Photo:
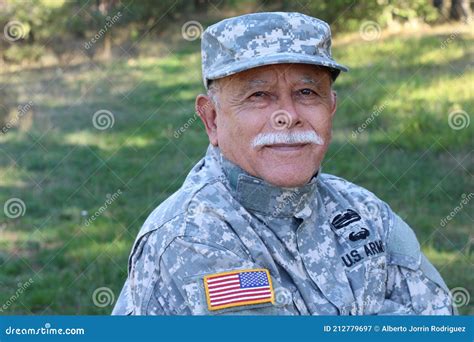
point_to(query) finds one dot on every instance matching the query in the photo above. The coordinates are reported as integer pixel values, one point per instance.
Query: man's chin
(287, 170)
(288, 178)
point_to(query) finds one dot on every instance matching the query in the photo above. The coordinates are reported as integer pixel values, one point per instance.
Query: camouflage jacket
(330, 248)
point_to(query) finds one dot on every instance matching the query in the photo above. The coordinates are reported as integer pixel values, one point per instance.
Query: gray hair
(213, 89)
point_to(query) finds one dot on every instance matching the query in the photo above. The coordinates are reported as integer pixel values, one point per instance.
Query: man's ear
(333, 102)
(207, 112)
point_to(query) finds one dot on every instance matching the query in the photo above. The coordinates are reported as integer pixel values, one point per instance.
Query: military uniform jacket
(330, 248)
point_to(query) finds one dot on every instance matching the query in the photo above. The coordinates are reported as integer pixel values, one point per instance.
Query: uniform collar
(255, 194)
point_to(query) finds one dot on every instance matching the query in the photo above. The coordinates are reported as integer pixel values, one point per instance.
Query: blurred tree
(460, 10)
(106, 8)
(62, 26)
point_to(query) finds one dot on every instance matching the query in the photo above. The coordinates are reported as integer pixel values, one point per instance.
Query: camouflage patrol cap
(248, 41)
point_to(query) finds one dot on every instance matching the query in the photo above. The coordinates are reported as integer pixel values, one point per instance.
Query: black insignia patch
(344, 219)
(361, 234)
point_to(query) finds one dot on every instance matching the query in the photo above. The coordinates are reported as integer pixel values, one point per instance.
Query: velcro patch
(238, 288)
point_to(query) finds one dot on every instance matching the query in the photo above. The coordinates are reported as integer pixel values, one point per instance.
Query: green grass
(60, 165)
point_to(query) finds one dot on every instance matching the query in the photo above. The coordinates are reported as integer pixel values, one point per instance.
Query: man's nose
(286, 116)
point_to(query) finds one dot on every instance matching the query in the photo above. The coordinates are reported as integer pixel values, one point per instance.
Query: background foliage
(407, 77)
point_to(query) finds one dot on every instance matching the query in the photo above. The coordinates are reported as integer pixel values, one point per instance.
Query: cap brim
(281, 58)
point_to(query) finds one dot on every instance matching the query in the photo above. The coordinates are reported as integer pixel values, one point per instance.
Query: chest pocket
(363, 254)
(368, 281)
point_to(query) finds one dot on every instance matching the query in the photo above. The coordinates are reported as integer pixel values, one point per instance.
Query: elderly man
(256, 227)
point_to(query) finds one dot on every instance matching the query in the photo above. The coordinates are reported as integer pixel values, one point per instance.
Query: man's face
(257, 111)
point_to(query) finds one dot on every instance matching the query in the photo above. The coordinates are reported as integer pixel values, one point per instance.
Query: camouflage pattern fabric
(331, 247)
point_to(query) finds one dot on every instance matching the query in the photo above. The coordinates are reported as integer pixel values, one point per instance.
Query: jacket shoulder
(347, 188)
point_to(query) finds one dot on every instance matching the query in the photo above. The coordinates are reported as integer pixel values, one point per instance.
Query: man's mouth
(286, 147)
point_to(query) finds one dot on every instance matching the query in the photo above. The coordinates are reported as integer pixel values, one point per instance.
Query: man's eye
(306, 92)
(258, 94)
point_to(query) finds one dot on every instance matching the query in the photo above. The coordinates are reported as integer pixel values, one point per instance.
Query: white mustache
(290, 138)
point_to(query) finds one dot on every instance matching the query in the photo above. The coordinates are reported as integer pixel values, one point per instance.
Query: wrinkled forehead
(275, 74)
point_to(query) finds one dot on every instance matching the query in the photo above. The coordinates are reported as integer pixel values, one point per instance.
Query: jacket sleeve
(414, 286)
(166, 277)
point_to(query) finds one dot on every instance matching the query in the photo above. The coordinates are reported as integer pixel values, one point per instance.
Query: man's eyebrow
(318, 83)
(255, 83)
(310, 80)
(250, 84)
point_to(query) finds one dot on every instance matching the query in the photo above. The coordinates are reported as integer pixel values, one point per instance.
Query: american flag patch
(236, 288)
